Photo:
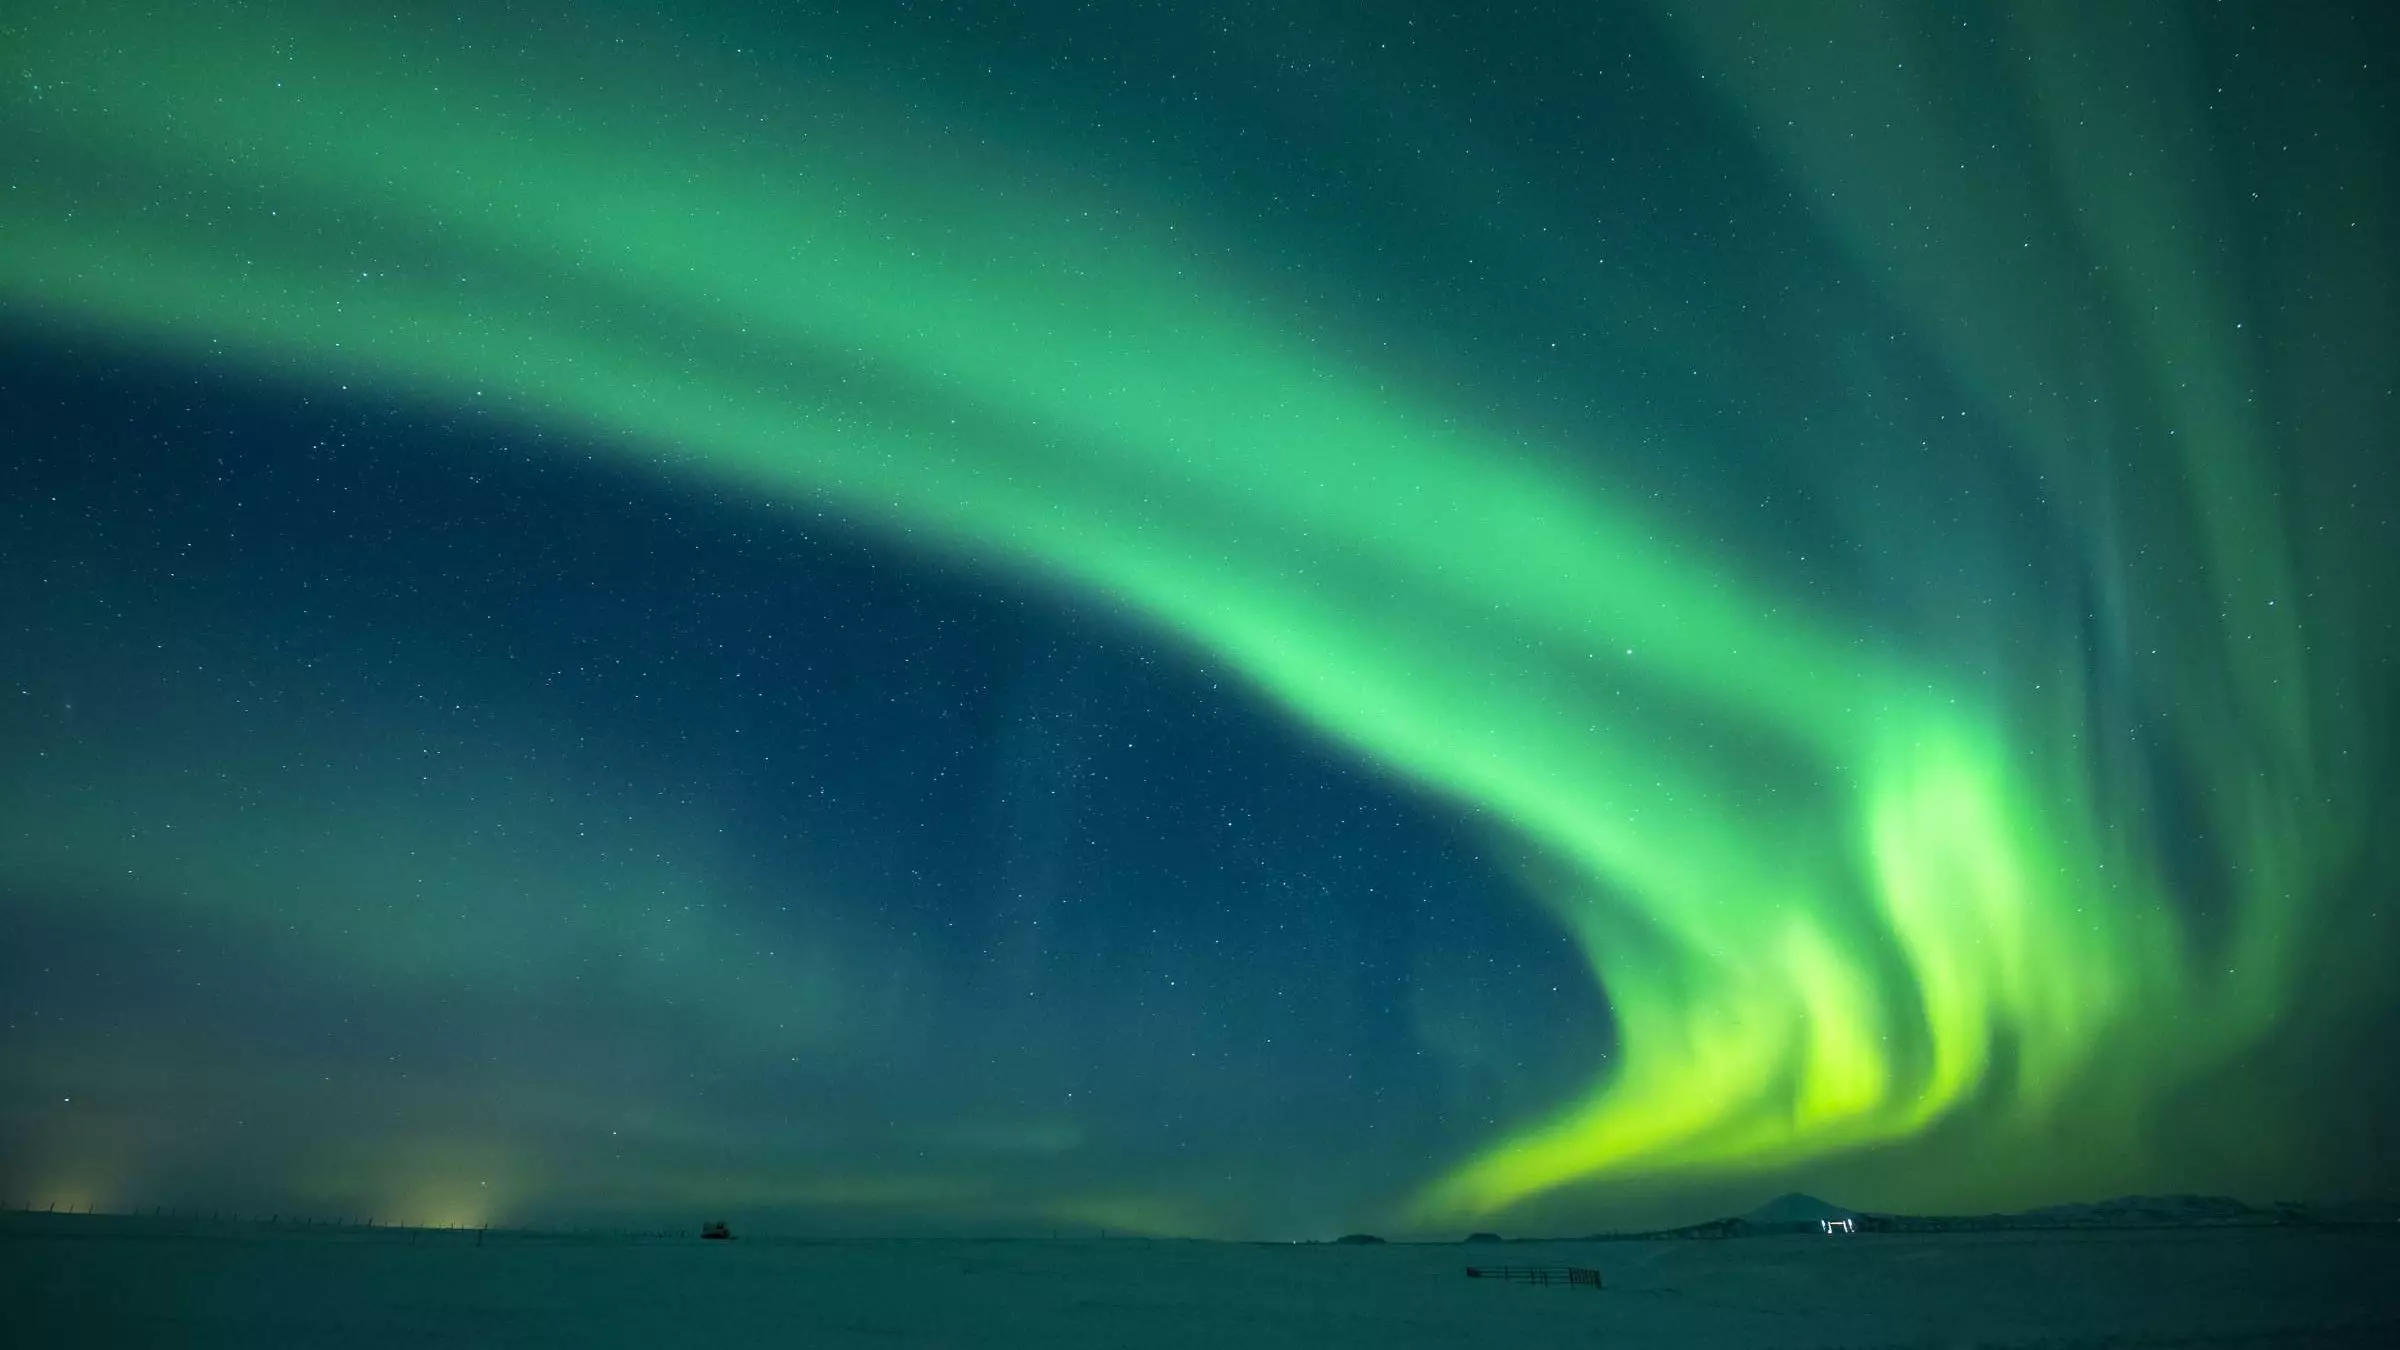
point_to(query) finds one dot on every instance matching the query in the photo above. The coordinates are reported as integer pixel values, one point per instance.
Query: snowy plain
(105, 1281)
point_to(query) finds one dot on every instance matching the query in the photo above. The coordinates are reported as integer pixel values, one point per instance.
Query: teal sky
(1241, 620)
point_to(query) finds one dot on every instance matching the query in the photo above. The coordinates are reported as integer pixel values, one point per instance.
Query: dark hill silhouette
(1794, 1208)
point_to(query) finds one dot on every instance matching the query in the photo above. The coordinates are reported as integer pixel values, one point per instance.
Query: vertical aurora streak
(1842, 881)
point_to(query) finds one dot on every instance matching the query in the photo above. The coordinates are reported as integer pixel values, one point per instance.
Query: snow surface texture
(103, 1281)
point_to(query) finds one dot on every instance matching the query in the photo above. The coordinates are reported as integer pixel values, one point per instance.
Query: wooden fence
(1569, 1275)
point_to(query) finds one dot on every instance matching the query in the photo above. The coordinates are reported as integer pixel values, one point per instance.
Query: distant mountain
(2343, 1211)
(1789, 1213)
(2125, 1211)
(2144, 1209)
(1795, 1208)
(1797, 1213)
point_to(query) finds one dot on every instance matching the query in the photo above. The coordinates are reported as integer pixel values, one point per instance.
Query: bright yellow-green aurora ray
(1837, 889)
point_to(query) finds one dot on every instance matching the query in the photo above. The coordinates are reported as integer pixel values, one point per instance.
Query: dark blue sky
(1131, 919)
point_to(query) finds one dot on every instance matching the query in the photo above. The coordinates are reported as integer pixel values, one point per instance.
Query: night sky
(1228, 620)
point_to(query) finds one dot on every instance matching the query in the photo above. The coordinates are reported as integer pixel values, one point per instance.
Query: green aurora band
(1839, 889)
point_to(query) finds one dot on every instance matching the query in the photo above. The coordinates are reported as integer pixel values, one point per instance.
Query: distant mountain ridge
(2156, 1208)
(1795, 1208)
(1795, 1212)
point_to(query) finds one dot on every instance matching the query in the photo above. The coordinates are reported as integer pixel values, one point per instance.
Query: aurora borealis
(1238, 620)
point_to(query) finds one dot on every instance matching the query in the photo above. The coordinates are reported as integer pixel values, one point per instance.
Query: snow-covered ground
(118, 1282)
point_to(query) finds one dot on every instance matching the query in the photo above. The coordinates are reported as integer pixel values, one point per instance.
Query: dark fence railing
(1569, 1275)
